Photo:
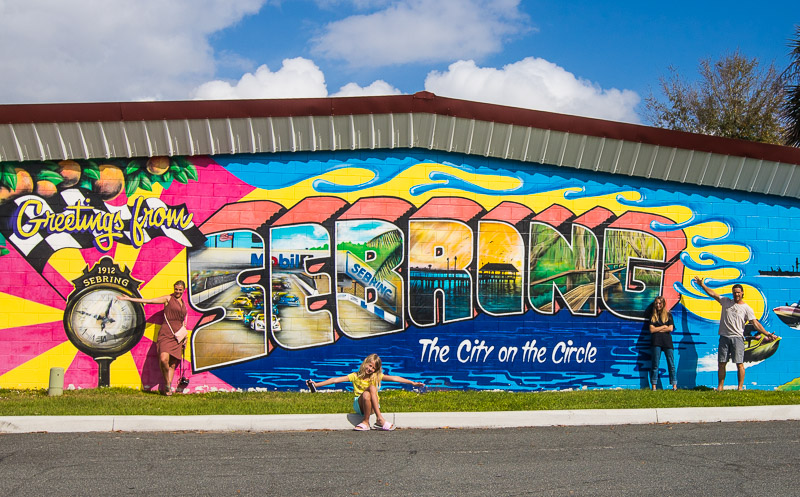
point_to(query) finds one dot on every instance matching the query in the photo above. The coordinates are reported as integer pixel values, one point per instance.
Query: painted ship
(794, 271)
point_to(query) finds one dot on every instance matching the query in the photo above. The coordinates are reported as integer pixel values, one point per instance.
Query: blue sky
(599, 59)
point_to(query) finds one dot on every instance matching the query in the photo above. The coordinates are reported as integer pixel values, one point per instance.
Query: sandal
(361, 427)
(386, 426)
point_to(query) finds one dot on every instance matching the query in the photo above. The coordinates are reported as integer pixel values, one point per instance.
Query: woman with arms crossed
(661, 328)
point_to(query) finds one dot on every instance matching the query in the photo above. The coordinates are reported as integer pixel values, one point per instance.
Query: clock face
(98, 323)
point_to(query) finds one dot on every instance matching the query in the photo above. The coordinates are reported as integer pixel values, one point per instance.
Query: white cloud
(105, 50)
(422, 31)
(533, 83)
(358, 4)
(379, 87)
(95, 50)
(297, 78)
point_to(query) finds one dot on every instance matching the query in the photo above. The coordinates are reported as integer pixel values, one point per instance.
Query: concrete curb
(419, 420)
(728, 414)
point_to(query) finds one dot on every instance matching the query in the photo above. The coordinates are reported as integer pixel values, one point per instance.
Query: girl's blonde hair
(663, 314)
(375, 376)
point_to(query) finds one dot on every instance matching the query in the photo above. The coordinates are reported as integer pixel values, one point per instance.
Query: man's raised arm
(711, 293)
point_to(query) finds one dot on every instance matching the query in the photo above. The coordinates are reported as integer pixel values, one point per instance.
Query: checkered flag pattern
(40, 246)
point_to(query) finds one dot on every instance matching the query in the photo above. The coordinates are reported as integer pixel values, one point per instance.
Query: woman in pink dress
(170, 348)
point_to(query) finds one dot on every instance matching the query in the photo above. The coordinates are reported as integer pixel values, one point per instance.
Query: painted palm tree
(791, 103)
(391, 244)
(543, 239)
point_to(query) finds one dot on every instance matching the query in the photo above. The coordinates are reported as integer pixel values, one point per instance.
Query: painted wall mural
(460, 271)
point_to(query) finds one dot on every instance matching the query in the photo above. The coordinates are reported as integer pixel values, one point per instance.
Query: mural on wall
(460, 271)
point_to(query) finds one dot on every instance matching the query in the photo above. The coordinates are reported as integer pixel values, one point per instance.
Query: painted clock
(98, 323)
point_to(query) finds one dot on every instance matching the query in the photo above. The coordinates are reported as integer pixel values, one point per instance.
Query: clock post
(103, 371)
(97, 322)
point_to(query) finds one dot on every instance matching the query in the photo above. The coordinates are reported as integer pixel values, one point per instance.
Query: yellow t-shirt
(361, 384)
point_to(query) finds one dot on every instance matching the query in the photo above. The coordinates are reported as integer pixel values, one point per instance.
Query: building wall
(459, 271)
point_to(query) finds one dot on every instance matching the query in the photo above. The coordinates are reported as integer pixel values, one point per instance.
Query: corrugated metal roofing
(144, 129)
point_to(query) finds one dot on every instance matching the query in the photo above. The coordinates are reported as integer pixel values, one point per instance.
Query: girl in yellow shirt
(366, 383)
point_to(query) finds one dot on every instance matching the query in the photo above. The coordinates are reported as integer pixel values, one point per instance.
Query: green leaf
(131, 185)
(8, 168)
(191, 171)
(144, 182)
(85, 184)
(165, 180)
(133, 166)
(91, 173)
(51, 176)
(174, 168)
(90, 164)
(180, 176)
(10, 179)
(183, 163)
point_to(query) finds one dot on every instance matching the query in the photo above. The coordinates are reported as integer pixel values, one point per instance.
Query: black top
(661, 339)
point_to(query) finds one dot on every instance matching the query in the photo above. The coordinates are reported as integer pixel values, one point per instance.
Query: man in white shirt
(735, 314)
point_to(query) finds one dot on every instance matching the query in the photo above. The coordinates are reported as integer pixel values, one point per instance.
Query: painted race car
(279, 284)
(258, 323)
(249, 317)
(257, 300)
(234, 314)
(287, 299)
(242, 302)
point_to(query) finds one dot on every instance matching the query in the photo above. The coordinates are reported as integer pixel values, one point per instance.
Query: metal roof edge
(421, 102)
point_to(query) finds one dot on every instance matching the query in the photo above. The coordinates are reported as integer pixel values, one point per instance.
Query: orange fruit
(5, 194)
(45, 188)
(158, 165)
(24, 185)
(111, 182)
(24, 182)
(70, 171)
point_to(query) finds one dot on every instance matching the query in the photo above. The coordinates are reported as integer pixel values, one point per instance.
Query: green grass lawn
(120, 401)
